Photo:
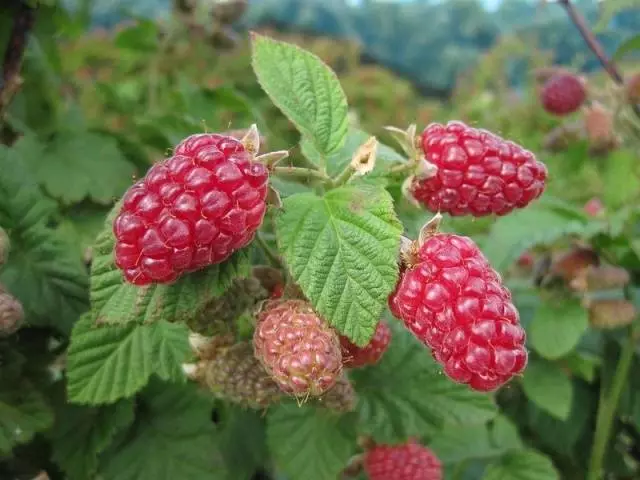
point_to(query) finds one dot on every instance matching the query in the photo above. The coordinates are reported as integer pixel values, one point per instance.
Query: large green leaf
(44, 272)
(23, 413)
(342, 250)
(172, 438)
(113, 301)
(631, 45)
(78, 165)
(522, 465)
(309, 443)
(305, 89)
(407, 394)
(80, 434)
(110, 362)
(546, 385)
(458, 443)
(557, 327)
(242, 442)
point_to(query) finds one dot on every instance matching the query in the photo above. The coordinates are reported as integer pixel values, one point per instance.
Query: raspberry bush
(231, 278)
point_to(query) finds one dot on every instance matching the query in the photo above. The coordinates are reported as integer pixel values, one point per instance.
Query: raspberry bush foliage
(232, 278)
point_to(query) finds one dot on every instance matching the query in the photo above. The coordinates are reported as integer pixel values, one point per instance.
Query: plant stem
(269, 253)
(607, 409)
(298, 173)
(23, 20)
(591, 40)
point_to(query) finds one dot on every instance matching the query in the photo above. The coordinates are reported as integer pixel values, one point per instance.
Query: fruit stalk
(607, 409)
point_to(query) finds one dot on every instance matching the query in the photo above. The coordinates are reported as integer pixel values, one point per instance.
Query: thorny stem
(23, 20)
(595, 46)
(607, 409)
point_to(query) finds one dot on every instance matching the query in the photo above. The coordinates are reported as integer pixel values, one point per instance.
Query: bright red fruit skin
(454, 302)
(409, 461)
(478, 172)
(563, 94)
(354, 356)
(190, 211)
(297, 347)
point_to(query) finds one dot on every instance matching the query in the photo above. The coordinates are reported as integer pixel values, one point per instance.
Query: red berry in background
(563, 94)
(594, 207)
(526, 260)
(409, 461)
(278, 291)
(478, 173)
(190, 211)
(454, 302)
(354, 356)
(298, 349)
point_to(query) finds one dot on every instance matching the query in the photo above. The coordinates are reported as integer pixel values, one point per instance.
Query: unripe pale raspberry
(454, 302)
(408, 461)
(219, 315)
(233, 373)
(297, 347)
(341, 398)
(478, 173)
(594, 207)
(11, 314)
(354, 356)
(563, 94)
(191, 210)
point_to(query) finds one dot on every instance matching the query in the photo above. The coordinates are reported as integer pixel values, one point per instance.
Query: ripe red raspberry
(298, 349)
(191, 210)
(454, 302)
(409, 461)
(478, 173)
(354, 356)
(563, 94)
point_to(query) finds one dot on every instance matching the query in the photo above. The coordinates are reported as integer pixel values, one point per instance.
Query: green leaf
(111, 362)
(309, 443)
(69, 167)
(459, 443)
(524, 465)
(342, 250)
(546, 385)
(304, 89)
(340, 159)
(172, 438)
(242, 442)
(43, 272)
(114, 301)
(80, 434)
(621, 179)
(557, 327)
(631, 45)
(407, 394)
(23, 413)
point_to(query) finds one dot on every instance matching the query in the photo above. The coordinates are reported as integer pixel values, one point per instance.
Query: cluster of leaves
(124, 409)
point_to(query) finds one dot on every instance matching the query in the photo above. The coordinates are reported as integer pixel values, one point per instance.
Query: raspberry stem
(269, 253)
(608, 406)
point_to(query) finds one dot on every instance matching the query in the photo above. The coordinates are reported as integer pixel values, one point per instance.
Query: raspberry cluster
(408, 461)
(354, 356)
(478, 173)
(297, 347)
(191, 210)
(454, 302)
